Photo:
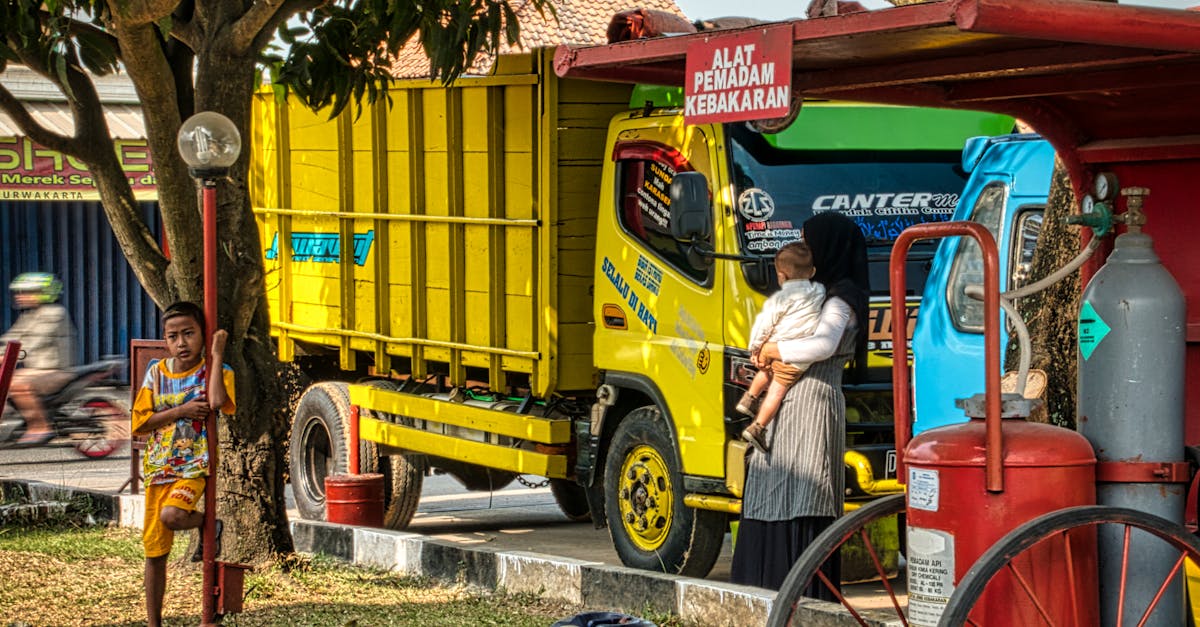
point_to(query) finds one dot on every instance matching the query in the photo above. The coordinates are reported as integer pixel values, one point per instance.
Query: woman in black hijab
(794, 491)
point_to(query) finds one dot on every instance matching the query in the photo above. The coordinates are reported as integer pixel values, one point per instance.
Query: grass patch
(93, 576)
(72, 544)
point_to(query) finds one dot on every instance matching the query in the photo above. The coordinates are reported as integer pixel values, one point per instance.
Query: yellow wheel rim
(645, 499)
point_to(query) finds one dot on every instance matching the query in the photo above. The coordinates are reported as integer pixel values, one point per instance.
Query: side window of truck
(967, 269)
(644, 211)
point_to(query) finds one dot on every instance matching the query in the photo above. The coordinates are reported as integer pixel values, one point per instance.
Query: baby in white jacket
(789, 314)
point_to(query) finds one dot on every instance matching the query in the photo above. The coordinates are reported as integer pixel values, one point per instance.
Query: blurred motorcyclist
(47, 339)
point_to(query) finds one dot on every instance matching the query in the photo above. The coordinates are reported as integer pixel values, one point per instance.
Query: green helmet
(47, 286)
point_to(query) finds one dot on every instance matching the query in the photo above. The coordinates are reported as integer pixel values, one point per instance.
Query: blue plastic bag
(603, 619)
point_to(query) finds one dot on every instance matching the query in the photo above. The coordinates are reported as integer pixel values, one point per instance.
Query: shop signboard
(30, 172)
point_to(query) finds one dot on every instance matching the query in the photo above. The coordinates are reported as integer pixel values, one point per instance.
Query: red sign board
(743, 75)
(30, 172)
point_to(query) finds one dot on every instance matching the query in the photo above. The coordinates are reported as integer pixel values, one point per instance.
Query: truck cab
(673, 317)
(1006, 192)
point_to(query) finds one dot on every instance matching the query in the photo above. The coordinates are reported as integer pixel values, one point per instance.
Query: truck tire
(403, 474)
(643, 502)
(571, 499)
(404, 478)
(318, 446)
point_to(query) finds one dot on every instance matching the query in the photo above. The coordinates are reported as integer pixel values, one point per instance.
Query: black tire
(825, 547)
(369, 459)
(1004, 553)
(651, 528)
(318, 446)
(405, 476)
(571, 499)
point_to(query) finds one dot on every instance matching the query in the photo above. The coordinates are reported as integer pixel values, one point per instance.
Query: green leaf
(165, 25)
(96, 53)
(512, 28)
(59, 63)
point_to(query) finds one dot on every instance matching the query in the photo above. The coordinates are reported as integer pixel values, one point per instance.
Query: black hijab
(839, 253)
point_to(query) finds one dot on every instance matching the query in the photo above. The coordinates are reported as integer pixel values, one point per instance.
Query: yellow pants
(157, 538)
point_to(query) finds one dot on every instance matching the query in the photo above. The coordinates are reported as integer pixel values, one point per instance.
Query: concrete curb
(590, 584)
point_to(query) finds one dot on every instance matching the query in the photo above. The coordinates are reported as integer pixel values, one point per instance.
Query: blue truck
(1006, 192)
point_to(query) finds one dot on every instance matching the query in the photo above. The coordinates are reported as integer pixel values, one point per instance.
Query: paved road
(514, 518)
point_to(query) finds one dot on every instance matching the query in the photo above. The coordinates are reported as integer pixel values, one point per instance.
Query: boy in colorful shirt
(171, 407)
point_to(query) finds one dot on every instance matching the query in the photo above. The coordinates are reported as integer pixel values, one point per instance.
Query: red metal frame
(1117, 91)
(140, 354)
(901, 394)
(1083, 88)
(211, 588)
(353, 452)
(12, 352)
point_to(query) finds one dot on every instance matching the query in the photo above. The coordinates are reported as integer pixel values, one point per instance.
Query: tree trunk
(250, 479)
(1051, 313)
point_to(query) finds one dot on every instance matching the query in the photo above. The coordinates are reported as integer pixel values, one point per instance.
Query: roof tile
(581, 22)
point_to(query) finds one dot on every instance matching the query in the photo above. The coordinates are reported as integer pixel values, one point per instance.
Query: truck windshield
(883, 191)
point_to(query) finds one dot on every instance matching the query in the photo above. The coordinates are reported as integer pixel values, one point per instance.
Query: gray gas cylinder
(1131, 408)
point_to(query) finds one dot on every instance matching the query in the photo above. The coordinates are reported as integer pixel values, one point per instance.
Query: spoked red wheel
(112, 428)
(809, 572)
(1014, 583)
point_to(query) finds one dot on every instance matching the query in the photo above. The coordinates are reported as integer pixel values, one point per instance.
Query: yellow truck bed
(467, 215)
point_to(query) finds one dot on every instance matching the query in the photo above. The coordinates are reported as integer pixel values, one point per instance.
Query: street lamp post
(210, 143)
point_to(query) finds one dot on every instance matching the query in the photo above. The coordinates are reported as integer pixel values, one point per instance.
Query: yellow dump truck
(487, 274)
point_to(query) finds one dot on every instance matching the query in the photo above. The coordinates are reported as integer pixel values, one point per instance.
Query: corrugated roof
(582, 22)
(124, 121)
(47, 104)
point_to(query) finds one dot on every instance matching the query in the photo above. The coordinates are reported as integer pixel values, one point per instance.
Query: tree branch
(262, 19)
(140, 12)
(151, 73)
(92, 144)
(86, 113)
(32, 129)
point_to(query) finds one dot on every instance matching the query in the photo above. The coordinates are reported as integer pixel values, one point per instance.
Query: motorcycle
(91, 410)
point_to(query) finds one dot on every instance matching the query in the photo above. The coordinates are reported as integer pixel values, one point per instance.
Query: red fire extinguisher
(953, 519)
(970, 484)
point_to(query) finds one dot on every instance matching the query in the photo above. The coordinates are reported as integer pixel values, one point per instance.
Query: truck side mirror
(760, 274)
(691, 212)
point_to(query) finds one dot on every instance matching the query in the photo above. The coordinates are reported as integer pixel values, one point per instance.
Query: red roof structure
(579, 22)
(1115, 88)
(1044, 61)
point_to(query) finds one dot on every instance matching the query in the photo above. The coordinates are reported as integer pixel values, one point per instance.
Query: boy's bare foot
(756, 435)
(198, 555)
(748, 405)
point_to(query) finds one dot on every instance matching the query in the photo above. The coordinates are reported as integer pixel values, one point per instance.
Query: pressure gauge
(1105, 186)
(1087, 205)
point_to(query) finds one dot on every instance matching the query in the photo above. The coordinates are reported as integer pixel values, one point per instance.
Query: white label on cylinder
(930, 575)
(923, 489)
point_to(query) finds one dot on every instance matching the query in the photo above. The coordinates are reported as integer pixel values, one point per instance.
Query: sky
(783, 9)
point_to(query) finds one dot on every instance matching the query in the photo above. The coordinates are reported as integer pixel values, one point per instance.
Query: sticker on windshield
(755, 205)
(768, 237)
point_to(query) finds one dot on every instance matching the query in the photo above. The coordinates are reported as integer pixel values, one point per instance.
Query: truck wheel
(651, 527)
(405, 475)
(571, 499)
(318, 447)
